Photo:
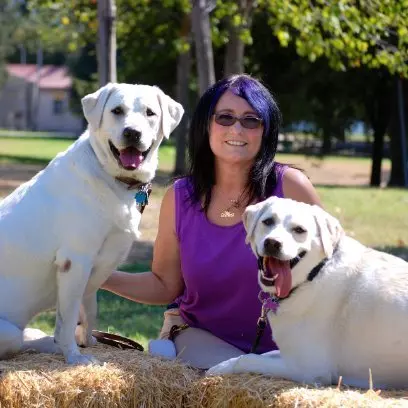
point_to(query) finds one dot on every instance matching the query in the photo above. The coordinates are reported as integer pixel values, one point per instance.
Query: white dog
(64, 231)
(343, 308)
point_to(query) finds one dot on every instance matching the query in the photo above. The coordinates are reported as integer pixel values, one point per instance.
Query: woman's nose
(237, 126)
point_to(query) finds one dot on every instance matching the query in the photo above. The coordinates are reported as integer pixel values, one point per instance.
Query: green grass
(34, 150)
(374, 216)
(31, 150)
(33, 134)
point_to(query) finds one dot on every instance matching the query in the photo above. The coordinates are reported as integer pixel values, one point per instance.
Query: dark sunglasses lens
(250, 122)
(224, 119)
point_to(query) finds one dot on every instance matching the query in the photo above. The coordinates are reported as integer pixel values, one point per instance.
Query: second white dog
(63, 232)
(343, 307)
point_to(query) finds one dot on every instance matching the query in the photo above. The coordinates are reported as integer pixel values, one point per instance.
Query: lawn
(35, 150)
(376, 217)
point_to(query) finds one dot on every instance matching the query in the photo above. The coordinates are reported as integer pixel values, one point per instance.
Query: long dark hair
(262, 176)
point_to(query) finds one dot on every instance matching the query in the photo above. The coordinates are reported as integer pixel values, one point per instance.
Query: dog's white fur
(350, 319)
(64, 231)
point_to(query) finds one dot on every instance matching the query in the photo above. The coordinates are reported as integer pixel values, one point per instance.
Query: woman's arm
(164, 283)
(298, 187)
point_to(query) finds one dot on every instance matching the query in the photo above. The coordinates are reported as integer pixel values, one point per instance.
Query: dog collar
(143, 191)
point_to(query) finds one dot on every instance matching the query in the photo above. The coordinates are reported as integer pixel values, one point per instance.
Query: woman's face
(235, 143)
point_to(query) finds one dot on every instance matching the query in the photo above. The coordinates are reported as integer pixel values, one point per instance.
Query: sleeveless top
(220, 273)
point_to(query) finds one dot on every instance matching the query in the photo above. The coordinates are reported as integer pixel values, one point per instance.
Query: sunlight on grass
(41, 151)
(27, 150)
(374, 216)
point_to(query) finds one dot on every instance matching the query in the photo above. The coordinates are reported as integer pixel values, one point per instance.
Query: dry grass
(133, 379)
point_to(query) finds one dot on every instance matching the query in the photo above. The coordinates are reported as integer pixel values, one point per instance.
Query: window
(58, 107)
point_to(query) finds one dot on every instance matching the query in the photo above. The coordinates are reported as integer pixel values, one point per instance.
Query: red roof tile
(51, 76)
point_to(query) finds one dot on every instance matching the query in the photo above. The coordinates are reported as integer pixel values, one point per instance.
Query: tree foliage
(349, 33)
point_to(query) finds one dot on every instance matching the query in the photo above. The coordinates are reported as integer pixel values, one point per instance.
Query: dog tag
(141, 197)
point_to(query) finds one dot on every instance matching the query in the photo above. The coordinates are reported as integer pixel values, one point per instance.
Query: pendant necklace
(235, 203)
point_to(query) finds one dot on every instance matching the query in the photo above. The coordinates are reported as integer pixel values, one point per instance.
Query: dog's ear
(94, 104)
(250, 218)
(172, 112)
(329, 229)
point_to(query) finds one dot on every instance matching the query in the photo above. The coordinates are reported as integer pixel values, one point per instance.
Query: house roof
(51, 76)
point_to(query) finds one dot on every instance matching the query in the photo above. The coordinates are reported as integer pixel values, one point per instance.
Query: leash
(115, 340)
(269, 303)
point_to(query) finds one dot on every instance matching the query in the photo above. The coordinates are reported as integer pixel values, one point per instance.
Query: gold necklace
(235, 203)
(227, 213)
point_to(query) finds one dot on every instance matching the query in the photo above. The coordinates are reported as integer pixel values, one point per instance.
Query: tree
(183, 91)
(106, 46)
(10, 18)
(238, 20)
(203, 43)
(349, 33)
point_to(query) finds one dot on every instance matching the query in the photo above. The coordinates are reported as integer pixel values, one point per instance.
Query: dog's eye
(149, 112)
(299, 230)
(268, 222)
(117, 111)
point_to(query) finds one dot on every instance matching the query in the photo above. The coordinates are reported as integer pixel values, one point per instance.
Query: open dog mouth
(129, 158)
(275, 272)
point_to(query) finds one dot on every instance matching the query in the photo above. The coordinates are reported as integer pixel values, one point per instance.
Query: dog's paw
(82, 359)
(226, 367)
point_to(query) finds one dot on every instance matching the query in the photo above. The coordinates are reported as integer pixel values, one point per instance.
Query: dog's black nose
(132, 135)
(272, 245)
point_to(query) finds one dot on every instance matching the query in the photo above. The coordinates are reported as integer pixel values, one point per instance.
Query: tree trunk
(106, 46)
(379, 112)
(377, 156)
(327, 141)
(183, 75)
(235, 50)
(203, 44)
(399, 176)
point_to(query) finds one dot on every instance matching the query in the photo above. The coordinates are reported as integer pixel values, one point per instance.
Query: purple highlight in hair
(249, 89)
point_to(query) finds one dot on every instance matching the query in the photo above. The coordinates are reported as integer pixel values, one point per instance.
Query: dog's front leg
(253, 363)
(87, 321)
(72, 277)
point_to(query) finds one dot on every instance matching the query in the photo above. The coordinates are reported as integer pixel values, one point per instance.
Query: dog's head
(287, 235)
(126, 126)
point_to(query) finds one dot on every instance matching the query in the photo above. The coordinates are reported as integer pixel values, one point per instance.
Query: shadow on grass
(401, 252)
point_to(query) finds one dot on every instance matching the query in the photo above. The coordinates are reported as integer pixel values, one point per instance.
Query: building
(38, 99)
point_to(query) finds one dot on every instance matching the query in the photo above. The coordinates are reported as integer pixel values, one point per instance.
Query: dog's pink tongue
(130, 158)
(283, 281)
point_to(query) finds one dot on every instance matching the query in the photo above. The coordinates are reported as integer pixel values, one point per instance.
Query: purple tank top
(220, 273)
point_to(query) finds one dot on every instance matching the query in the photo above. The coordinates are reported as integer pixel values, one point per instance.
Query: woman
(200, 257)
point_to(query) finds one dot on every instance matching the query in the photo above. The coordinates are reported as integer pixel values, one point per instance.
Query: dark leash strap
(269, 303)
(117, 341)
(176, 329)
(260, 328)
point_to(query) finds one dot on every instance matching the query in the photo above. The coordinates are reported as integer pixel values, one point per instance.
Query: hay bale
(127, 379)
(250, 390)
(133, 379)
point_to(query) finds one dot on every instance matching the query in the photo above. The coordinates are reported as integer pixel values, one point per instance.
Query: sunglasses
(247, 122)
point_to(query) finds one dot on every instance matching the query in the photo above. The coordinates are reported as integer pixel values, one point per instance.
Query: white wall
(48, 120)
